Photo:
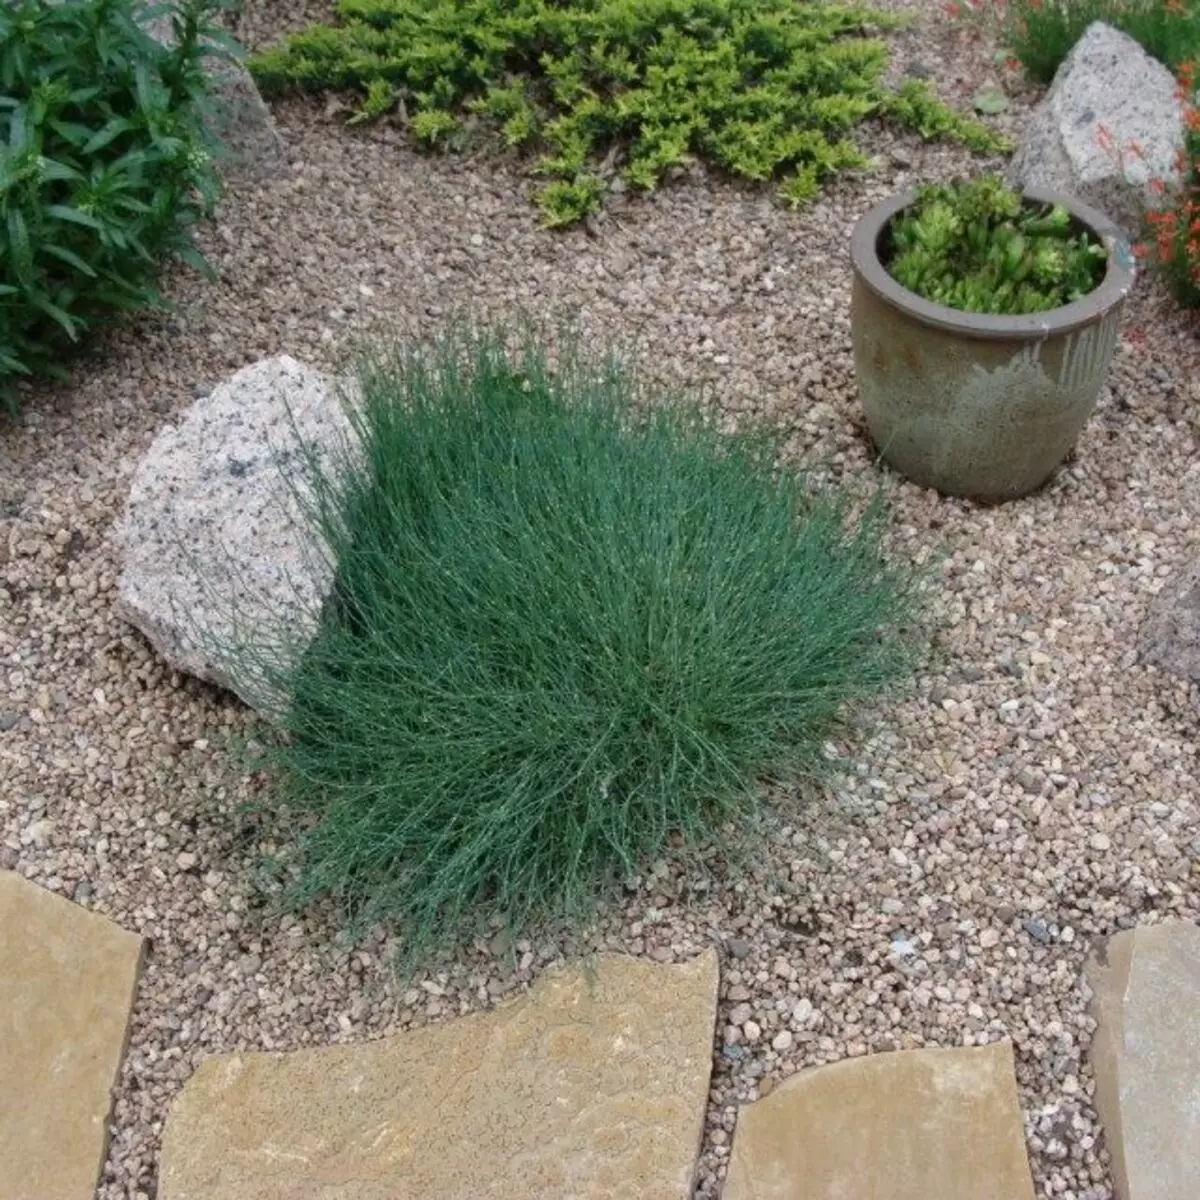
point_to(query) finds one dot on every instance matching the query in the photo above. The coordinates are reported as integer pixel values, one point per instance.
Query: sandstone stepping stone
(67, 983)
(1146, 1056)
(215, 544)
(591, 1086)
(912, 1125)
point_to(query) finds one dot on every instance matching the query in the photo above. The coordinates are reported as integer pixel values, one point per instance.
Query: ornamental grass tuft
(573, 627)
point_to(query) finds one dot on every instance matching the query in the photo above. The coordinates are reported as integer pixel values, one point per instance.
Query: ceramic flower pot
(969, 403)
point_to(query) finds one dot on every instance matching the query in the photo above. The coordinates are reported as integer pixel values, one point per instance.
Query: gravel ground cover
(1034, 792)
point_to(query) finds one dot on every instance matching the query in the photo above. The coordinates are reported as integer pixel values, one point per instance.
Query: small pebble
(738, 947)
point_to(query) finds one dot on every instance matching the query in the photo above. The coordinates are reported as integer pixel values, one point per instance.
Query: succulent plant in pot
(984, 321)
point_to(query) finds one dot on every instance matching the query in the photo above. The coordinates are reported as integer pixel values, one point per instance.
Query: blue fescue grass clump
(572, 627)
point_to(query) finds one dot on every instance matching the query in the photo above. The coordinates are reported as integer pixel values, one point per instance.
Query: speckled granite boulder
(1108, 95)
(218, 556)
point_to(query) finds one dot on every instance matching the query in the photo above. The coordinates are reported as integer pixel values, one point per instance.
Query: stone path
(591, 1087)
(67, 984)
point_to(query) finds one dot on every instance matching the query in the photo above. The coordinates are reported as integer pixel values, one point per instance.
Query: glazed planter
(973, 404)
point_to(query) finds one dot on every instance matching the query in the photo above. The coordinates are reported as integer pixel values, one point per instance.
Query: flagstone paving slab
(912, 1125)
(67, 984)
(590, 1087)
(1146, 1057)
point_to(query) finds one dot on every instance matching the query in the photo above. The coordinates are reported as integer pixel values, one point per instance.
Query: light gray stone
(1146, 1058)
(1170, 635)
(219, 554)
(241, 118)
(1107, 96)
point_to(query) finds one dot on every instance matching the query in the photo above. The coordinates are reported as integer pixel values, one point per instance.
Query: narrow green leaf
(65, 212)
(12, 365)
(71, 258)
(18, 242)
(111, 131)
(71, 132)
(68, 323)
(52, 169)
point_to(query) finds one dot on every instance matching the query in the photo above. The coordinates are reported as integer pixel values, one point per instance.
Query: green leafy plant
(572, 626)
(1041, 33)
(980, 246)
(104, 164)
(763, 89)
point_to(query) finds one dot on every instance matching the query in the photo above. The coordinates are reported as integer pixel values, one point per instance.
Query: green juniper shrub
(763, 89)
(105, 162)
(571, 627)
(980, 246)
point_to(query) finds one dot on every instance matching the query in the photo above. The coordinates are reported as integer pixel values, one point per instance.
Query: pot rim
(1113, 288)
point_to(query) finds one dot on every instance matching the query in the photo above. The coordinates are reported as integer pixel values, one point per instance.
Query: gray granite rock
(1146, 1058)
(1170, 635)
(241, 117)
(218, 554)
(1108, 94)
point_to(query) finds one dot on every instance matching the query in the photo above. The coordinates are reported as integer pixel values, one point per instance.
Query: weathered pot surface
(974, 404)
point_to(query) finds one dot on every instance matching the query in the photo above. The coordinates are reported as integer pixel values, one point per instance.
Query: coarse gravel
(1035, 791)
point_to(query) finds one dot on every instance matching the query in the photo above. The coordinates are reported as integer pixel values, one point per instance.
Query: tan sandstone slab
(913, 1125)
(1146, 1056)
(591, 1087)
(67, 983)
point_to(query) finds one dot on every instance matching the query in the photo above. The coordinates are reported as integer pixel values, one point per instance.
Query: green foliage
(763, 89)
(1041, 33)
(916, 106)
(978, 246)
(1173, 224)
(104, 163)
(571, 627)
